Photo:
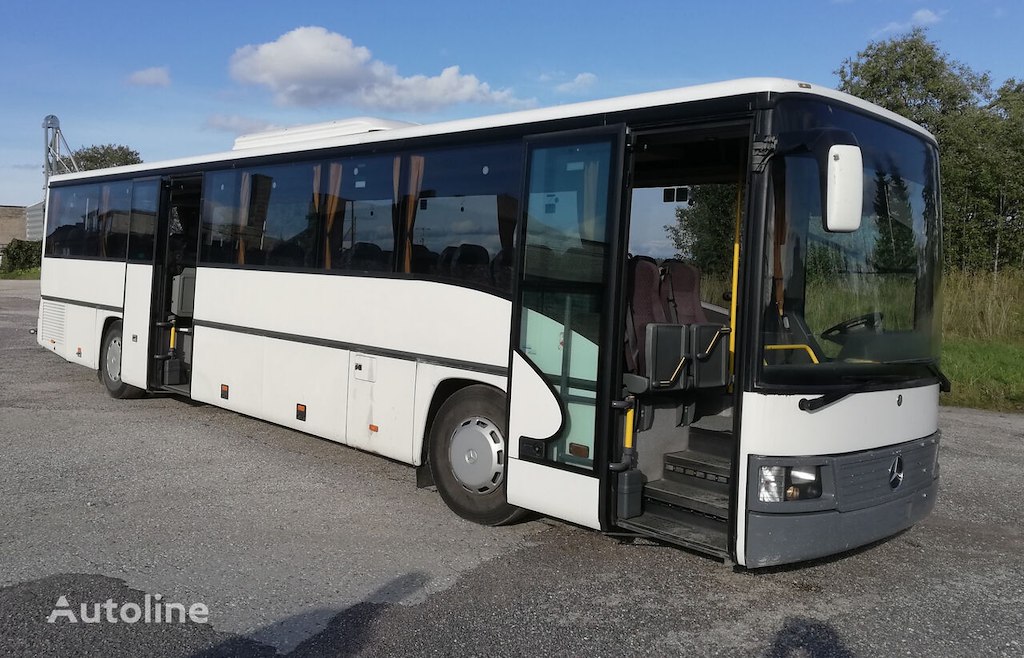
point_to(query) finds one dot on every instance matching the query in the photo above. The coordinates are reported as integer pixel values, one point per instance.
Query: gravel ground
(302, 547)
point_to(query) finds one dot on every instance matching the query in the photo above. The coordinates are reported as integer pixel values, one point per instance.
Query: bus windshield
(849, 308)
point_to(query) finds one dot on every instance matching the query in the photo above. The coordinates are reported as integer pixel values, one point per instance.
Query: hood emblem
(896, 472)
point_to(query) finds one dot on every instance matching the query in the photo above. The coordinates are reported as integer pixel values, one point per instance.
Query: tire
(110, 365)
(467, 452)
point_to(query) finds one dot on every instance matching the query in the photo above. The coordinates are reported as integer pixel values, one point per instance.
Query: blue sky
(174, 79)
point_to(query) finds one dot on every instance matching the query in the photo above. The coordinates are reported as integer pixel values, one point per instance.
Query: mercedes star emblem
(896, 472)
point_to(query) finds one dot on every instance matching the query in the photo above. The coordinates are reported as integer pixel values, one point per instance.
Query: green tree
(100, 156)
(1009, 107)
(909, 75)
(20, 255)
(895, 249)
(703, 231)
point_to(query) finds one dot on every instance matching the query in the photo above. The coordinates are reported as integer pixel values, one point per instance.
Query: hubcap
(477, 455)
(114, 359)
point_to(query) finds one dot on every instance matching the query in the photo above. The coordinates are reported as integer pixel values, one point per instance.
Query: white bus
(705, 315)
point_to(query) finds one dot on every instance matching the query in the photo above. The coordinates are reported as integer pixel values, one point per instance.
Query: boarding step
(714, 442)
(694, 531)
(698, 465)
(712, 502)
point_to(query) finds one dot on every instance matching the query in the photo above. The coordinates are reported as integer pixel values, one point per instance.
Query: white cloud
(154, 76)
(311, 66)
(238, 125)
(920, 18)
(579, 83)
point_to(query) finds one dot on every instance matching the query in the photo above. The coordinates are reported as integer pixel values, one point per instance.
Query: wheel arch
(444, 390)
(104, 326)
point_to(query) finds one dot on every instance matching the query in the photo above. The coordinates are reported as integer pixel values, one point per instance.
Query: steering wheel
(871, 320)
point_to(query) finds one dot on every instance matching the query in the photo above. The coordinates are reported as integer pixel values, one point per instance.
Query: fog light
(780, 483)
(803, 482)
(771, 483)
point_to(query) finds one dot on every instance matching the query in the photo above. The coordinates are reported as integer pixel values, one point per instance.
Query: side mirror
(844, 188)
(840, 170)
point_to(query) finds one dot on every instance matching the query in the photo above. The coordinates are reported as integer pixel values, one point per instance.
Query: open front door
(138, 284)
(174, 282)
(565, 350)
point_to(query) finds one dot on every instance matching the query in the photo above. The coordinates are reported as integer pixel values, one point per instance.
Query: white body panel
(138, 297)
(95, 282)
(403, 315)
(555, 492)
(774, 425)
(97, 290)
(311, 375)
(289, 339)
(534, 412)
(228, 358)
(380, 398)
(428, 377)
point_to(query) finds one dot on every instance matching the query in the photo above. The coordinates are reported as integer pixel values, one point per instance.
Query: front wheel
(110, 365)
(467, 455)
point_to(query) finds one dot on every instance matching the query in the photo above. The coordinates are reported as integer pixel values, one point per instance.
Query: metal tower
(59, 159)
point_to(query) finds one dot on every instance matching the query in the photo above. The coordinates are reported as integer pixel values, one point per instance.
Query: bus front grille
(872, 477)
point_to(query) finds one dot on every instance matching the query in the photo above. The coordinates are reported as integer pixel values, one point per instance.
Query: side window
(145, 199)
(221, 226)
(359, 210)
(73, 222)
(461, 217)
(263, 216)
(115, 215)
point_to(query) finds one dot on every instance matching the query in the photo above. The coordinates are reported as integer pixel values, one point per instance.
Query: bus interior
(686, 209)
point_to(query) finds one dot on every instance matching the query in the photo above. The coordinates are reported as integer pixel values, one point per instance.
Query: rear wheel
(110, 364)
(467, 454)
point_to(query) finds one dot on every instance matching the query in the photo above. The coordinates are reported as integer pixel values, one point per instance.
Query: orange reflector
(224, 391)
(579, 450)
(374, 428)
(300, 412)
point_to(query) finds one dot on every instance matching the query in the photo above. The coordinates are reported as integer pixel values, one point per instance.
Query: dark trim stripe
(78, 302)
(501, 371)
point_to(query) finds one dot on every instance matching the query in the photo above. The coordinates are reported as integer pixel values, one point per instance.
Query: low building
(12, 224)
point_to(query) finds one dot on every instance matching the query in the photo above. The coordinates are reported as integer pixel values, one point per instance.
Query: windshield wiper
(813, 404)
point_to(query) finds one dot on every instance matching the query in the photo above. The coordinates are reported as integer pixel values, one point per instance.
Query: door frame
(583, 485)
(160, 301)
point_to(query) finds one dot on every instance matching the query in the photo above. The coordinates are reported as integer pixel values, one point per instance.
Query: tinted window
(358, 203)
(463, 213)
(115, 215)
(145, 199)
(89, 221)
(73, 221)
(262, 216)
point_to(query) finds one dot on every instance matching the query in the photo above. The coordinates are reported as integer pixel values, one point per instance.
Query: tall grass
(984, 306)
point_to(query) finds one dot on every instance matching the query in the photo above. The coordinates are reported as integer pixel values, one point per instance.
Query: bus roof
(384, 131)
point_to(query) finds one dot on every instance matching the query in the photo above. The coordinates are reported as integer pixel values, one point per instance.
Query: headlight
(779, 483)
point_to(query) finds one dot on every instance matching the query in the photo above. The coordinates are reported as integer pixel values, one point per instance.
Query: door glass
(562, 290)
